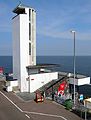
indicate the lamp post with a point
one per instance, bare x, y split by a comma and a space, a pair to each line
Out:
74, 64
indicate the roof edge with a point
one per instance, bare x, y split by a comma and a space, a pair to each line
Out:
22, 6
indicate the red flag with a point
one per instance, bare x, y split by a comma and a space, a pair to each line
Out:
61, 88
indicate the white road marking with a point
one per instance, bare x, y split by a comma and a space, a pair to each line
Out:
11, 102
43, 114
27, 116
36, 113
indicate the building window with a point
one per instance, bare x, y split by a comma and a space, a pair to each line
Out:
29, 48
29, 31
33, 16
29, 14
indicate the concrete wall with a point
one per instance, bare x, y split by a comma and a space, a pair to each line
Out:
33, 38
16, 48
21, 57
84, 81
20, 50
11, 84
81, 81
24, 51
38, 80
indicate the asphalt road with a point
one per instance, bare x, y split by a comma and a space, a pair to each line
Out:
9, 111
14, 108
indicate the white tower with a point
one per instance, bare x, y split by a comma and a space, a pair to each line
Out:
24, 44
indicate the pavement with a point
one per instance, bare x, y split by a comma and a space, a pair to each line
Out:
12, 107
26, 96
8, 111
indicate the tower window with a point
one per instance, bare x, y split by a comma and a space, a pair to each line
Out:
29, 31
29, 48
29, 14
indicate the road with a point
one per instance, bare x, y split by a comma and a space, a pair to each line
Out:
14, 108
9, 112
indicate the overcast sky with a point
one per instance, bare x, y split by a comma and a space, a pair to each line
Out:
55, 20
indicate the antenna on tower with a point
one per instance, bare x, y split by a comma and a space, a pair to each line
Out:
19, 2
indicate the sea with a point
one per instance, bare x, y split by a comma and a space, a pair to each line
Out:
65, 63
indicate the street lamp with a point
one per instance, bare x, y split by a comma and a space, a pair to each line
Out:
74, 64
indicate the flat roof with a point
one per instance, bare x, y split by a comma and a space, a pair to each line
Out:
21, 7
77, 76
42, 66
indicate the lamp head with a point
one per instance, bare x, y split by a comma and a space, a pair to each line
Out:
72, 31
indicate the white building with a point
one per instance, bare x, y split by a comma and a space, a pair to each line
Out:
24, 52
80, 80
24, 43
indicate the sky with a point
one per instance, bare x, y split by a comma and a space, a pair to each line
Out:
55, 20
